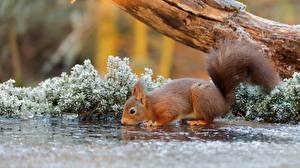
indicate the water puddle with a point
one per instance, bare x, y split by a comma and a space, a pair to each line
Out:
224, 144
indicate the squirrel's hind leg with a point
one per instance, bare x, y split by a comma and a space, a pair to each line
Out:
207, 103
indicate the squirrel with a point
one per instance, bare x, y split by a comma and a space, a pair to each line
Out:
200, 101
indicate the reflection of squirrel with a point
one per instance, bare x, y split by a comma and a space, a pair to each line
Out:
199, 100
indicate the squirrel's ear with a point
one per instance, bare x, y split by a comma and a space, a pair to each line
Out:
145, 100
138, 90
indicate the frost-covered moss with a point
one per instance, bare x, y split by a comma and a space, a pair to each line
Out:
282, 105
83, 90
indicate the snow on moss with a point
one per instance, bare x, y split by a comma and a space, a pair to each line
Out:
282, 105
83, 90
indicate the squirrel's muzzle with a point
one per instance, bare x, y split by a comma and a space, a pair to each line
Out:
125, 121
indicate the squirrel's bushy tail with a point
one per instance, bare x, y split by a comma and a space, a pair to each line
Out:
240, 61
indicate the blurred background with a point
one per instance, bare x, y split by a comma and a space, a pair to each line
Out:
42, 38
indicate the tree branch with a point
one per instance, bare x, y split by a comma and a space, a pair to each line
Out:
202, 23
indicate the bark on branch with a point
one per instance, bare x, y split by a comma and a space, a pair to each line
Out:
202, 23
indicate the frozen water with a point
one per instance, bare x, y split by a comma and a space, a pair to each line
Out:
69, 143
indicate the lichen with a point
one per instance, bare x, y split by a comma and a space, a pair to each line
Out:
232, 4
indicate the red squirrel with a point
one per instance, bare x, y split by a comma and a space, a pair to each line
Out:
200, 101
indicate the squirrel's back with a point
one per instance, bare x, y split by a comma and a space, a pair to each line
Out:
180, 88
175, 95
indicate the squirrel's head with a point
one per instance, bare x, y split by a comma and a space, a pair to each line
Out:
136, 106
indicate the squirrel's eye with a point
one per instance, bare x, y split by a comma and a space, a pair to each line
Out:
132, 111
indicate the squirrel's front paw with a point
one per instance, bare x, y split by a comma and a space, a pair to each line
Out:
151, 123
197, 123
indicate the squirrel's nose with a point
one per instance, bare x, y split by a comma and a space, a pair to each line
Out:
123, 122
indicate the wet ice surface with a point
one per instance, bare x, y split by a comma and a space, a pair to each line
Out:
228, 144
